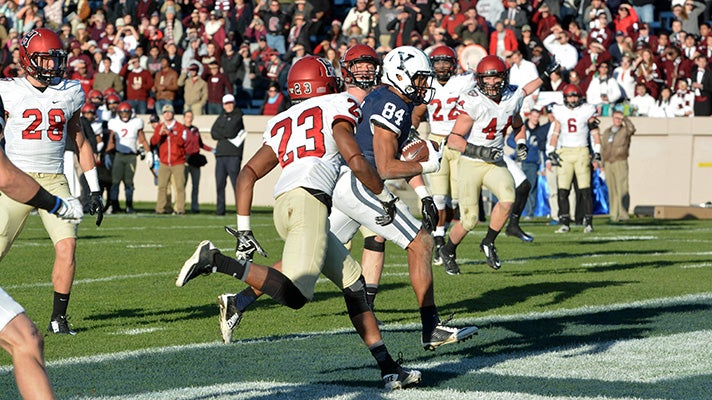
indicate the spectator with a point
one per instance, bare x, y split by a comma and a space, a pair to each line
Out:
357, 16
689, 15
645, 10
276, 22
603, 90
677, 35
648, 72
625, 77
174, 59
106, 78
228, 131
81, 74
594, 55
513, 17
600, 32
702, 86
528, 42
544, 21
619, 48
646, 37
502, 41
663, 106
139, 83
683, 100
165, 85
215, 29
247, 73
299, 34
689, 47
127, 39
521, 72
470, 31
276, 70
195, 52
275, 101
230, 62
117, 56
615, 146
401, 27
591, 13
195, 89
490, 9
218, 86
557, 43
675, 66
626, 19
642, 102
387, 12
194, 160
170, 139
555, 84
578, 37
256, 30
172, 28
706, 47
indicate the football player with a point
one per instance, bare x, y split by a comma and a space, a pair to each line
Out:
442, 112
570, 149
18, 334
43, 114
382, 133
125, 135
486, 114
309, 142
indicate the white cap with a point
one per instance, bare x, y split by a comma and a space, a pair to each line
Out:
228, 98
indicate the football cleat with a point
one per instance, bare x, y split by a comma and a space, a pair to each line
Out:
588, 229
449, 262
491, 255
443, 334
230, 316
516, 231
60, 326
563, 229
200, 263
401, 380
439, 243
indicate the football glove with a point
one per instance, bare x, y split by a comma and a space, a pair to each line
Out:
488, 154
246, 245
555, 159
522, 151
70, 209
389, 212
551, 68
597, 157
96, 206
430, 213
141, 153
434, 157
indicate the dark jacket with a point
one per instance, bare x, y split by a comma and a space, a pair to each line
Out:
225, 127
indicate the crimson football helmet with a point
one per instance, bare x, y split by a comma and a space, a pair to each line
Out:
88, 107
112, 98
359, 54
95, 97
492, 66
125, 111
572, 90
444, 53
311, 77
109, 91
42, 56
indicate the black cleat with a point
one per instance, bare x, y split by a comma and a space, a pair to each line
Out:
200, 263
516, 231
491, 255
449, 262
60, 326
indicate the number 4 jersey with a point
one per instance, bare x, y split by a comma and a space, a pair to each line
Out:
36, 129
303, 140
491, 120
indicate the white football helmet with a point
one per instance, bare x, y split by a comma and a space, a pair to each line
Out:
409, 70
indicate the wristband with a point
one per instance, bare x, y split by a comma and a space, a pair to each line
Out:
521, 141
243, 223
44, 200
422, 192
93, 180
596, 147
550, 149
385, 196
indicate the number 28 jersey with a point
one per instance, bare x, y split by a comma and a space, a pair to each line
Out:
491, 120
36, 129
303, 140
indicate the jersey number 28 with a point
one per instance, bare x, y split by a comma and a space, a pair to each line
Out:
55, 128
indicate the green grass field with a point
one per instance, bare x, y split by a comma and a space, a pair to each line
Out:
623, 313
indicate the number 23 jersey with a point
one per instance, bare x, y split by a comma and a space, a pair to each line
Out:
491, 120
303, 140
36, 130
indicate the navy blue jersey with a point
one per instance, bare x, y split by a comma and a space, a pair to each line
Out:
388, 110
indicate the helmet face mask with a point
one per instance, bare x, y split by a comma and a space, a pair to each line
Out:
408, 69
42, 56
572, 91
487, 73
361, 67
125, 111
444, 60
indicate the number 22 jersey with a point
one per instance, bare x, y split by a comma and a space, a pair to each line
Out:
303, 140
36, 129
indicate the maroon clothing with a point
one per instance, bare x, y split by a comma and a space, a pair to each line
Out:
218, 86
585, 62
171, 147
680, 68
193, 141
138, 83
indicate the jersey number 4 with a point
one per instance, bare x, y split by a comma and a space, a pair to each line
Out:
491, 129
55, 127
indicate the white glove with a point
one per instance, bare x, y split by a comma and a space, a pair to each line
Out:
238, 140
70, 210
434, 157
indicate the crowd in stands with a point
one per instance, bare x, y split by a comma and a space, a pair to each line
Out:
650, 56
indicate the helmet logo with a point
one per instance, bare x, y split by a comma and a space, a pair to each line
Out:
403, 58
28, 36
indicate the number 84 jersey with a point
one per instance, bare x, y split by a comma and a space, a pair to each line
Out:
303, 141
36, 130
491, 120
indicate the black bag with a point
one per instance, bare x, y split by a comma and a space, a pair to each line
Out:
196, 160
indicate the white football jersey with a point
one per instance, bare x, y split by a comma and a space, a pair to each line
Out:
302, 138
574, 124
491, 120
36, 130
126, 134
442, 110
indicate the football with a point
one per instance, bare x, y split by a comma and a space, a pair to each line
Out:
417, 151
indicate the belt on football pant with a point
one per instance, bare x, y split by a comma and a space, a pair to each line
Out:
321, 196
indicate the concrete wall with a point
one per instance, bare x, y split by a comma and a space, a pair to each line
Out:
670, 162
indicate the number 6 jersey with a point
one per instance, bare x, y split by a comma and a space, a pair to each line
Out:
302, 138
36, 129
